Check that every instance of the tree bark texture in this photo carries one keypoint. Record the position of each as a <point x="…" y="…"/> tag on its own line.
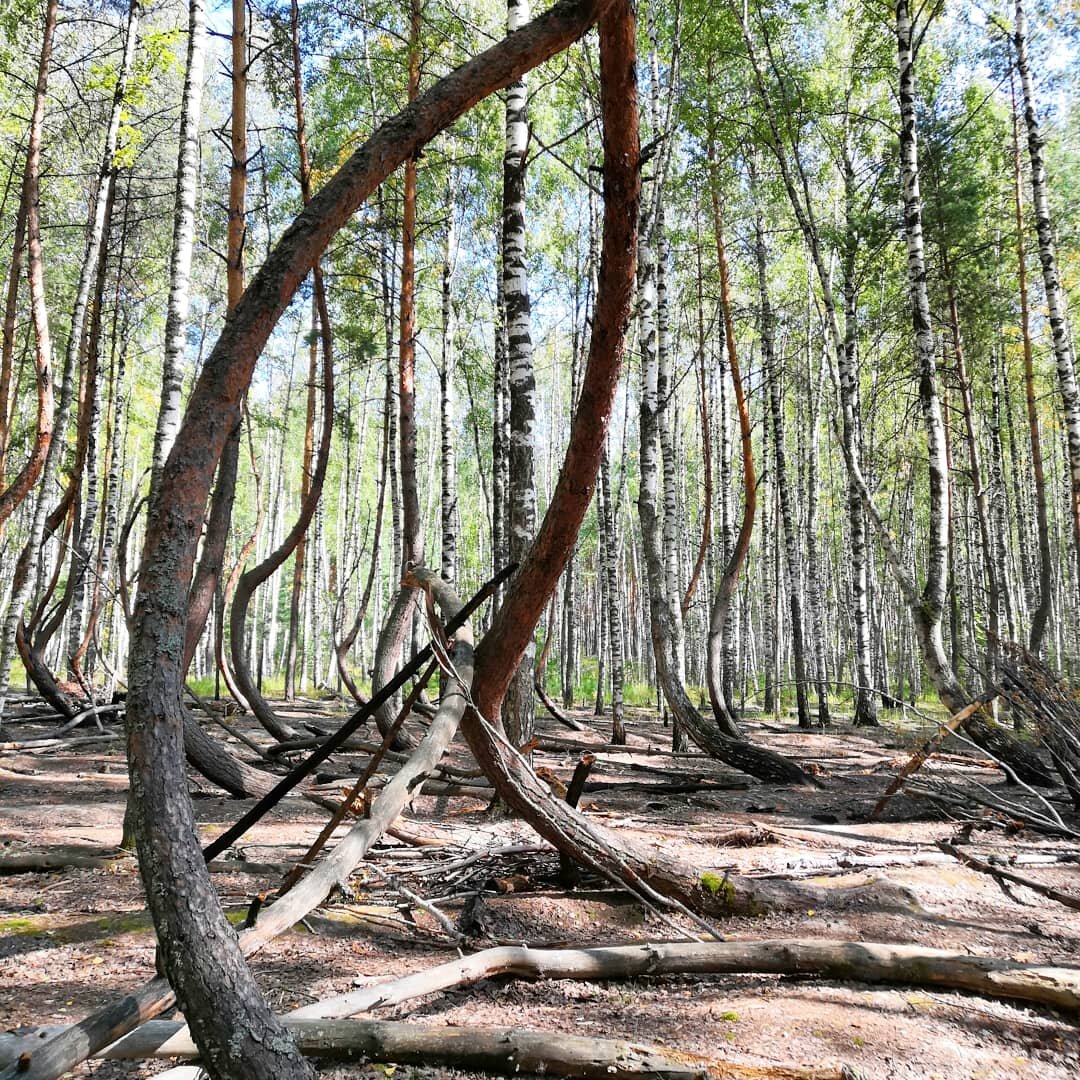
<point x="1041" y="614"/>
<point x="787" y="510"/>
<point x="519" y="705"/>
<point x="232" y="1026"/>
<point x="928" y="608"/>
<point x="28" y="224"/>
<point x="179" y="302"/>
<point x="1056" y="303"/>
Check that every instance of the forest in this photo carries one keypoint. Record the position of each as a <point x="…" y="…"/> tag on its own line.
<point x="539" y="539"/>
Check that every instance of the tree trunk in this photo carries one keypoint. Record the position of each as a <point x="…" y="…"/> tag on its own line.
<point x="95" y="232"/>
<point x="982" y="513"/>
<point x="1056" y="303"/>
<point x="719" y="657"/>
<point x="297" y="642"/>
<point x="208" y="573"/>
<point x="23" y="482"/>
<point x="314" y="467"/>
<point x="11" y="311"/>
<point x="928" y="608"/>
<point x="211" y="981"/>
<point x="847" y="353"/>
<point x="85" y="481"/>
<point x="787" y="513"/>
<point x="342" y="647"/>
<point x="395" y="629"/>
<point x="447" y="397"/>
<point x="179" y="302"/>
<point x="613" y="598"/>
<point x="706" y="441"/>
<point x="519" y="705"/>
<point x="739" y="754"/>
<point x="815" y="589"/>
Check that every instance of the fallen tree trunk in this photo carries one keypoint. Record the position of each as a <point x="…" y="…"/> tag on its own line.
<point x="865" y="962"/>
<point x="34" y="1058"/>
<point x="40" y="862"/>
<point x="857" y="961"/>
<point x="75" y="1044"/>
<point x="499" y="1050"/>
<point x="928" y="748"/>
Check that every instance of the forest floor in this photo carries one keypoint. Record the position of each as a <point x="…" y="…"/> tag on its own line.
<point x="71" y="937"/>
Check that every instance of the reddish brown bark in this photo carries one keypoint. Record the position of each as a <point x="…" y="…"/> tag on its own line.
<point x="502" y="647"/>
<point x="211" y="982"/>
<point x="7" y="344"/>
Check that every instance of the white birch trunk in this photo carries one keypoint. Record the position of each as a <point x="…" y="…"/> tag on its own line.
<point x="1056" y="302"/>
<point x="519" y="704"/>
<point x="179" y="302"/>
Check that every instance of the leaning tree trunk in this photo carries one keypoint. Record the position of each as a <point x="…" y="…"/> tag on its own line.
<point x="519" y="706"/>
<point x="99" y="203"/>
<point x="11" y="312"/>
<point x="208" y="574"/>
<point x="29" y="223"/>
<point x="650" y="873"/>
<point x="232" y="1026"/>
<point x="314" y="467"/>
<point x="719" y="656"/>
<point x="24" y="480"/>
<point x="738" y="753"/>
<point x="706" y="442"/>
<point x="1056" y="301"/>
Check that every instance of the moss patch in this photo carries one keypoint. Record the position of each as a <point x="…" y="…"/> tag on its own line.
<point x="719" y="885"/>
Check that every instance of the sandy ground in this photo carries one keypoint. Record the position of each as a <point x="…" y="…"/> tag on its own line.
<point x="70" y="938"/>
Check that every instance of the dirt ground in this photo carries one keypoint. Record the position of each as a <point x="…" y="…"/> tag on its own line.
<point x="72" y="937"/>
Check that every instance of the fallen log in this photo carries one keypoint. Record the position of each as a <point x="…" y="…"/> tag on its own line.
<point x="33" y="1058"/>
<point x="37" y="862"/>
<point x="508" y="1051"/>
<point x="73" y="1045"/>
<point x="48" y="742"/>
<point x="857" y="961"/>
<point x="867" y="962"/>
